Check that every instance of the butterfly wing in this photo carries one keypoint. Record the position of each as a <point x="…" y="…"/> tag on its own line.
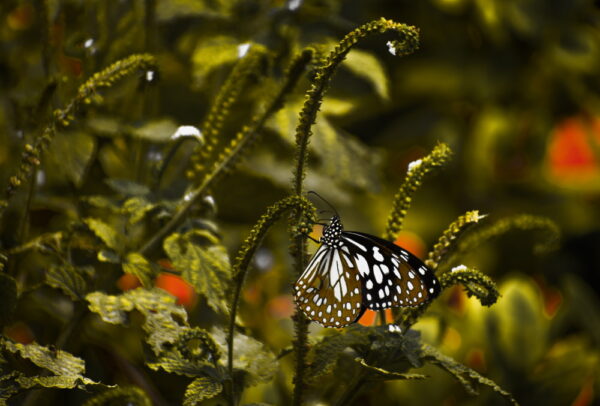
<point x="391" y="276"/>
<point x="329" y="290"/>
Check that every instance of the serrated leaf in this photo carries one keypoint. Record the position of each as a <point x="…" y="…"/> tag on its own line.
<point x="56" y="361"/>
<point x="69" y="155"/>
<point x="68" y="279"/>
<point x="59" y="382"/>
<point x="175" y="363"/>
<point x="136" y="208"/>
<point x="8" y="297"/>
<point x="386" y="350"/>
<point x="380" y="373"/>
<point x="368" y="66"/>
<point x="250" y="356"/>
<point x="203" y="263"/>
<point x="194" y="354"/>
<point x="164" y="319"/>
<point x="201" y="389"/>
<point x="66" y="368"/>
<point x="465" y="375"/>
<point x="105" y="232"/>
<point x="135" y="264"/>
<point x="129" y="395"/>
<point x="8" y="386"/>
<point x="342" y="157"/>
<point x="324" y="355"/>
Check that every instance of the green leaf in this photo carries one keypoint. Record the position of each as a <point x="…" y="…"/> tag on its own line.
<point x="381" y="351"/>
<point x="66" y="368"/>
<point x="56" y="361"/>
<point x="324" y="355"/>
<point x="171" y="9"/>
<point x="194" y="354"/>
<point x="59" y="382"/>
<point x="465" y="375"/>
<point x="210" y="54"/>
<point x="519" y="318"/>
<point x="129" y="395"/>
<point x="164" y="320"/>
<point x="341" y="157"/>
<point x="174" y="362"/>
<point x="387" y="375"/>
<point x="135" y="264"/>
<point x="250" y="357"/>
<point x="201" y="389"/>
<point x="8" y="298"/>
<point x="105" y="232"/>
<point x="69" y="279"/>
<point x="127" y="187"/>
<point x="136" y="208"/>
<point x="203" y="262"/>
<point x="156" y="130"/>
<point x="102" y="202"/>
<point x="367" y="66"/>
<point x="8" y="386"/>
<point x="69" y="155"/>
<point x="108" y="256"/>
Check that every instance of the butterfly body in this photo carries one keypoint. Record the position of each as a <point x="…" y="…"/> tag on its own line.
<point x="353" y="271"/>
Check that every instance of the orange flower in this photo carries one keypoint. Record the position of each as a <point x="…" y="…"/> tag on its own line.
<point x="571" y="156"/>
<point x="128" y="281"/>
<point x="175" y="285"/>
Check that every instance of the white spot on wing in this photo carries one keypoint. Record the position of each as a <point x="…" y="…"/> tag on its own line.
<point x="377" y="255"/>
<point x="377" y="274"/>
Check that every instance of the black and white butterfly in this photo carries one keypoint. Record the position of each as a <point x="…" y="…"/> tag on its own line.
<point x="352" y="272"/>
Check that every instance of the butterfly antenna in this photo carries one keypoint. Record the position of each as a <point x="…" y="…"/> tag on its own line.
<point x="325" y="201"/>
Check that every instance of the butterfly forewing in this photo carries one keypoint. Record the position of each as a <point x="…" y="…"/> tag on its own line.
<point x="391" y="276"/>
<point x="352" y="271"/>
<point x="329" y="290"/>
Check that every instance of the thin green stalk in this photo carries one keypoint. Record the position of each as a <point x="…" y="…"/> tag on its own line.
<point x="407" y="43"/>
<point x="417" y="171"/>
<point x="245" y="254"/>
<point x="170" y="155"/>
<point x="23" y="221"/>
<point x="238" y="79"/>
<point x="300" y="343"/>
<point x="62" y="118"/>
<point x="353" y="388"/>
<point x="228" y="158"/>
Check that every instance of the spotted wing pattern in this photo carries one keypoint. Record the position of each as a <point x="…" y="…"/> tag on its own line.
<point x="390" y="275"/>
<point x="329" y="291"/>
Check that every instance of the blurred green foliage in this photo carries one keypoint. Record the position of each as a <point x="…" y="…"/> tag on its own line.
<point x="103" y="204"/>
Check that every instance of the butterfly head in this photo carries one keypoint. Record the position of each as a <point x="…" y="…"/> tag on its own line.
<point x="332" y="233"/>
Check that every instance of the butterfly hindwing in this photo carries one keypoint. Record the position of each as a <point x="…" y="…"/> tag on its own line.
<point x="353" y="271"/>
<point x="391" y="276"/>
<point x="329" y="290"/>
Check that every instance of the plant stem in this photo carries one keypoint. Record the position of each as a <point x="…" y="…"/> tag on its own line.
<point x="242" y="262"/>
<point x="167" y="160"/>
<point x="228" y="160"/>
<point x="300" y="343"/>
<point x="352" y="390"/>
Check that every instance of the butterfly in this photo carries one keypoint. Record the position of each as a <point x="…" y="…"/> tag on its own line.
<point x="352" y="271"/>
